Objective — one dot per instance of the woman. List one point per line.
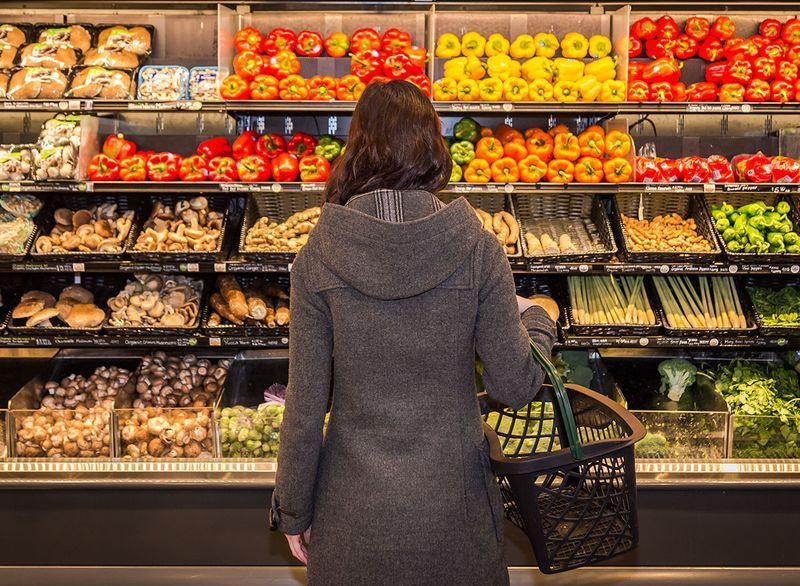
(403, 290)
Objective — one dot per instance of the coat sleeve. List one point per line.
(310, 350)
(511, 374)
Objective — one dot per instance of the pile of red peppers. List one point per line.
(756, 168)
(760, 68)
(269, 67)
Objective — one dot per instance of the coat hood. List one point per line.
(391, 260)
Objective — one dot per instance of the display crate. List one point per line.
(491, 203)
(765, 436)
(250, 327)
(135, 431)
(774, 283)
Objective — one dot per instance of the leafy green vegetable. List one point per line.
(677, 375)
(653, 445)
(777, 308)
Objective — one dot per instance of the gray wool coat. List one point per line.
(404, 291)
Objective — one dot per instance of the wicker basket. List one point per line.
(582, 217)
(229, 329)
(491, 203)
(686, 205)
(775, 283)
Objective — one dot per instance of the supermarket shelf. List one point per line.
(696, 342)
(719, 268)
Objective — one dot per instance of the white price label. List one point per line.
(508, 188)
(277, 187)
(664, 268)
(289, 267)
(220, 267)
(215, 341)
(78, 267)
(192, 267)
(583, 268)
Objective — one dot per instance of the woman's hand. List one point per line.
(299, 545)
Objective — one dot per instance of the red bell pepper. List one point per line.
(644, 28)
(695, 170)
(638, 91)
(667, 28)
(418, 56)
(163, 167)
(133, 168)
(711, 49)
(249, 39)
(685, 47)
(731, 92)
(797, 88)
(739, 49)
(253, 169)
(285, 167)
(792, 53)
(222, 170)
(270, 145)
(755, 168)
(663, 69)
(247, 64)
(337, 44)
(264, 87)
(646, 170)
(399, 66)
(759, 42)
(770, 28)
(234, 87)
(279, 39)
(283, 64)
(661, 91)
(193, 168)
(697, 28)
(658, 47)
(715, 72)
(703, 91)
(214, 147)
(395, 41)
(720, 168)
(739, 71)
(349, 88)
(782, 91)
(670, 170)
(764, 68)
(635, 70)
(421, 81)
(309, 44)
(790, 33)
(635, 47)
(785, 170)
(322, 88)
(723, 28)
(773, 51)
(103, 168)
(314, 168)
(365, 64)
(145, 154)
(679, 92)
(365, 39)
(244, 145)
(118, 147)
(758, 91)
(786, 71)
(301, 144)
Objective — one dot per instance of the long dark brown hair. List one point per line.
(395, 142)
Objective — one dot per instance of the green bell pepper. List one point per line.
(783, 207)
(719, 215)
(462, 152)
(791, 238)
(793, 248)
(756, 208)
(722, 224)
(734, 246)
(733, 217)
(729, 234)
(775, 239)
(467, 129)
(727, 208)
(328, 147)
(456, 173)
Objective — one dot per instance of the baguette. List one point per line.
(218, 303)
(233, 295)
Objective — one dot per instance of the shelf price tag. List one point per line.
(215, 341)
(220, 267)
(78, 267)
(190, 267)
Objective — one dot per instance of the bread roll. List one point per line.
(7, 55)
(12, 35)
(36, 83)
(85, 315)
(119, 38)
(74, 36)
(48, 56)
(234, 297)
(113, 59)
(98, 82)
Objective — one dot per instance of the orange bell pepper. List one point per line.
(566, 147)
(560, 171)
(596, 128)
(515, 150)
(349, 88)
(505, 170)
(489, 149)
(618, 144)
(592, 143)
(478, 171)
(292, 87)
(617, 170)
(558, 129)
(540, 144)
(589, 170)
(508, 134)
(532, 169)
(486, 131)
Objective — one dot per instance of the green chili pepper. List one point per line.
(456, 173)
(462, 152)
(762, 247)
(791, 238)
(739, 224)
(328, 147)
(467, 129)
(783, 207)
(733, 217)
(760, 222)
(753, 209)
(753, 235)
(784, 227)
(775, 239)
(750, 248)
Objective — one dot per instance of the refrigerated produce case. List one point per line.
(710, 477)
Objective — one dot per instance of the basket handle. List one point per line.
(562, 401)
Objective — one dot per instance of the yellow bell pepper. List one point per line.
(515, 89)
(574, 46)
(445, 89)
(497, 44)
(473, 43)
(603, 68)
(501, 66)
(546, 44)
(523, 47)
(468, 90)
(613, 91)
(456, 68)
(490, 89)
(599, 46)
(475, 69)
(448, 46)
(588, 88)
(540, 90)
(565, 91)
(537, 68)
(567, 69)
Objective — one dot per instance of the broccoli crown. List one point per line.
(677, 375)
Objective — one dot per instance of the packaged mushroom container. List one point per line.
(203, 84)
(16, 225)
(48, 55)
(12, 35)
(97, 229)
(36, 83)
(187, 227)
(154, 301)
(99, 82)
(52, 163)
(8, 54)
(179, 381)
(135, 39)
(155, 432)
(61, 130)
(16, 162)
(74, 36)
(163, 82)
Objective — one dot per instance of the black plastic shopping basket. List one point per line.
(565, 467)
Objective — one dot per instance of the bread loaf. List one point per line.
(12, 35)
(49, 56)
(113, 59)
(74, 36)
(234, 297)
(282, 314)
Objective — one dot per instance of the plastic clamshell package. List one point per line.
(204, 83)
(163, 82)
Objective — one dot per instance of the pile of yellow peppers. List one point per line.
(494, 69)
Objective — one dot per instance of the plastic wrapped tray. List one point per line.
(163, 83)
(94, 82)
(204, 83)
(248, 329)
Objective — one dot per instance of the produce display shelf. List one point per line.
(697, 342)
